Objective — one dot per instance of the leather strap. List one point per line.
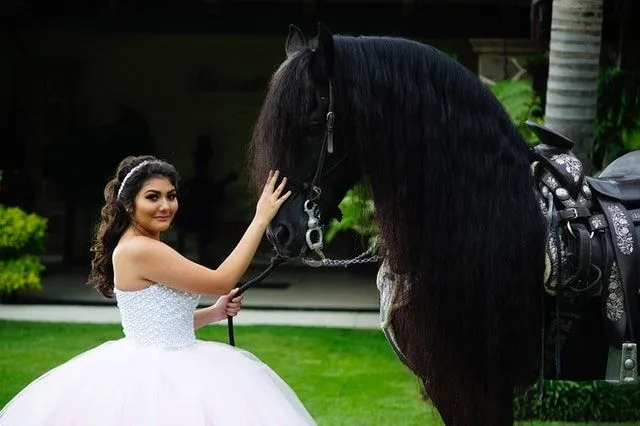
(598, 221)
(627, 254)
(571, 213)
(582, 244)
(614, 316)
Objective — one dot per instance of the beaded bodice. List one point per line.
(158, 316)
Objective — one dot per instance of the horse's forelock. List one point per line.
(284, 110)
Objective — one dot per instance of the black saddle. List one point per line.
(564, 174)
(594, 235)
(626, 166)
(550, 137)
(625, 190)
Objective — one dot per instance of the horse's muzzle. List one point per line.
(282, 238)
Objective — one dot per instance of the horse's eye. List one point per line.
(314, 126)
(313, 129)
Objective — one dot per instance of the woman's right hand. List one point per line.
(271, 198)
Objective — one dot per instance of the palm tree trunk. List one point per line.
(574, 63)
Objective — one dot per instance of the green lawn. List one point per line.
(343, 376)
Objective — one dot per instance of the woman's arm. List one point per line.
(157, 262)
(225, 306)
(236, 264)
(202, 317)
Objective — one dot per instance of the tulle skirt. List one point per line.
(120, 383)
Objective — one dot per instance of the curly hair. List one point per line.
(114, 215)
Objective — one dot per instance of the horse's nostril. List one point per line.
(281, 234)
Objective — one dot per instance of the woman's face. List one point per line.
(155, 205)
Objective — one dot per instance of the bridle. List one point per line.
(314, 235)
(312, 210)
(310, 207)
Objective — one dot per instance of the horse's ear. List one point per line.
(295, 40)
(325, 50)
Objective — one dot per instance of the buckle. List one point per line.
(622, 365)
(574, 235)
(574, 211)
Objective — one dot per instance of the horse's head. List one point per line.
(298, 132)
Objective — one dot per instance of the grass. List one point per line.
(343, 376)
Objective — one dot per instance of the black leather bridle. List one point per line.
(310, 206)
(314, 235)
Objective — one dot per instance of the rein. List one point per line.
(312, 210)
(243, 286)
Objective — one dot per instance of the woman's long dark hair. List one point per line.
(115, 215)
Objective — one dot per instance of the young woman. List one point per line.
(159, 373)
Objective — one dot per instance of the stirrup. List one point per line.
(622, 365)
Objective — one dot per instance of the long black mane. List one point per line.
(284, 111)
(451, 181)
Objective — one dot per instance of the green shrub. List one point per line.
(617, 127)
(565, 401)
(21, 238)
(357, 214)
(20, 231)
(22, 273)
(521, 103)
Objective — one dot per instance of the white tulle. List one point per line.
(129, 382)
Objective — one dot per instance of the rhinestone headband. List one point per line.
(131, 173)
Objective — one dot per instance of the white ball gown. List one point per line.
(158, 374)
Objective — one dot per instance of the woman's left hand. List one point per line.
(227, 306)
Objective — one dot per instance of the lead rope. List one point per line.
(243, 286)
(361, 258)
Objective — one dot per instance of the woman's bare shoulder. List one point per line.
(129, 258)
(144, 250)
(138, 245)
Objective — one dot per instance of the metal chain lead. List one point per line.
(339, 262)
(345, 262)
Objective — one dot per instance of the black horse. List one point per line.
(461, 219)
